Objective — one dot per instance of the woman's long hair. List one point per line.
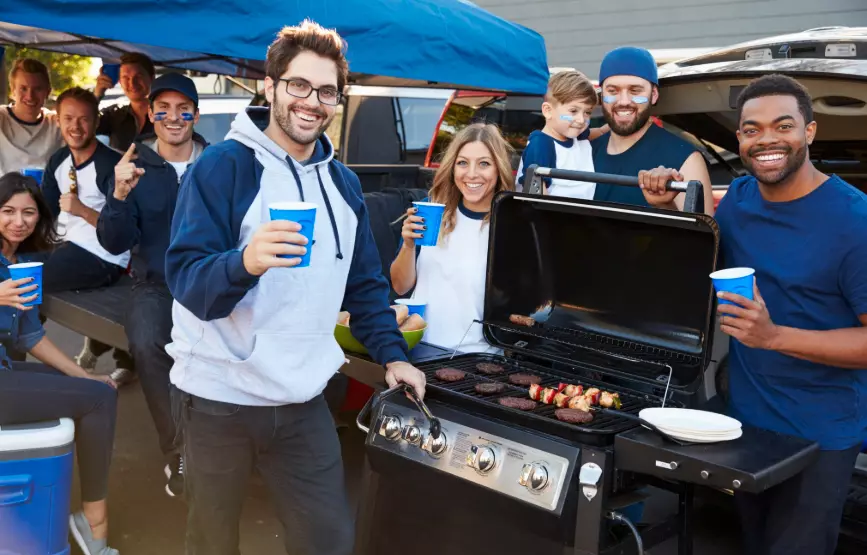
(444, 189)
(44, 236)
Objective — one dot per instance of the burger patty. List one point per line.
(490, 388)
(489, 368)
(517, 403)
(450, 374)
(573, 416)
(524, 379)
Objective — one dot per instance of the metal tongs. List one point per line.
(433, 422)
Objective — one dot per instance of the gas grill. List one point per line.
(618, 298)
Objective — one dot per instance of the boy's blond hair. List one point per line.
(569, 86)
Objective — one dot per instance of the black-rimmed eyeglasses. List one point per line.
(329, 96)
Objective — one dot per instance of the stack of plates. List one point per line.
(693, 425)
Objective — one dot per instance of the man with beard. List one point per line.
(124, 123)
(798, 355)
(253, 336)
(628, 79)
(138, 213)
(75, 184)
(29, 134)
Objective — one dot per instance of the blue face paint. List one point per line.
(160, 116)
(635, 99)
(566, 117)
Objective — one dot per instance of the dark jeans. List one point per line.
(70, 267)
(802, 515)
(33, 392)
(296, 451)
(149, 330)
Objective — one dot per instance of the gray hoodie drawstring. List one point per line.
(324, 196)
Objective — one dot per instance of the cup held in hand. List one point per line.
(432, 213)
(35, 173)
(29, 270)
(734, 280)
(302, 213)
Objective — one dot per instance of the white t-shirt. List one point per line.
(571, 154)
(24, 145)
(451, 280)
(92, 177)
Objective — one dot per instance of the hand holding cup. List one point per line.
(17, 293)
(412, 227)
(271, 243)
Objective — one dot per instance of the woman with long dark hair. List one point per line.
(57, 388)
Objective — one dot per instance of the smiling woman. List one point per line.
(450, 276)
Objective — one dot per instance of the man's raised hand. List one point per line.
(126, 174)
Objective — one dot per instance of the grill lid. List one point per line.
(623, 286)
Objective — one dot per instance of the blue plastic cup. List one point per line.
(112, 71)
(734, 280)
(303, 213)
(26, 270)
(35, 173)
(432, 212)
(415, 306)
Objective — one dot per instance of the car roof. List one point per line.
(827, 52)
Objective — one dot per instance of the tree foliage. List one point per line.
(66, 70)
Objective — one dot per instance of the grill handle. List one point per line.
(694, 201)
(433, 422)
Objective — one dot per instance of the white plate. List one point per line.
(671, 431)
(689, 420)
(707, 439)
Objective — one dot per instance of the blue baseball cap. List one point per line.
(174, 82)
(629, 60)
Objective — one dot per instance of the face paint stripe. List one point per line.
(160, 116)
(608, 99)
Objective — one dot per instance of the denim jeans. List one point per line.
(70, 267)
(297, 453)
(149, 329)
(33, 392)
(802, 515)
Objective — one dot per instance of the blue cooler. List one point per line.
(35, 486)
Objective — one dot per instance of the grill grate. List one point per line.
(464, 390)
(652, 363)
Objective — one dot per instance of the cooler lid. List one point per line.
(626, 288)
(38, 435)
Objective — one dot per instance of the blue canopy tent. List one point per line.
(430, 43)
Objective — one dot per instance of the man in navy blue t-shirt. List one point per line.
(798, 358)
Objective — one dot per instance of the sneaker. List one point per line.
(122, 376)
(86, 359)
(83, 536)
(175, 476)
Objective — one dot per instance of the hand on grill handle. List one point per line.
(433, 422)
(693, 201)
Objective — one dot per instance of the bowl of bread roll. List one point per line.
(411, 325)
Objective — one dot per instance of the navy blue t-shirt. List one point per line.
(810, 257)
(657, 147)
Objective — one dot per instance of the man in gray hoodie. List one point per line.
(253, 336)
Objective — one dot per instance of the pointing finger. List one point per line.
(129, 154)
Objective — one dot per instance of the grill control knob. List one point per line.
(411, 434)
(534, 477)
(390, 428)
(437, 446)
(483, 459)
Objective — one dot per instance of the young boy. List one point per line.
(564, 142)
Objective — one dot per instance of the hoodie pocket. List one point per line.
(287, 368)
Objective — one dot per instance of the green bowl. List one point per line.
(349, 343)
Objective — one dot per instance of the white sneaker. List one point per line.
(86, 359)
(122, 376)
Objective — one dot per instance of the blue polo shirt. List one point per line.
(810, 257)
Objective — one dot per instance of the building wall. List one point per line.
(578, 33)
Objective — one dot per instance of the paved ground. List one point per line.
(145, 521)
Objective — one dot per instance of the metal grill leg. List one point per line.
(685, 515)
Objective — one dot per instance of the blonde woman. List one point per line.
(450, 277)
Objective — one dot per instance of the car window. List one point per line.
(416, 118)
(213, 127)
